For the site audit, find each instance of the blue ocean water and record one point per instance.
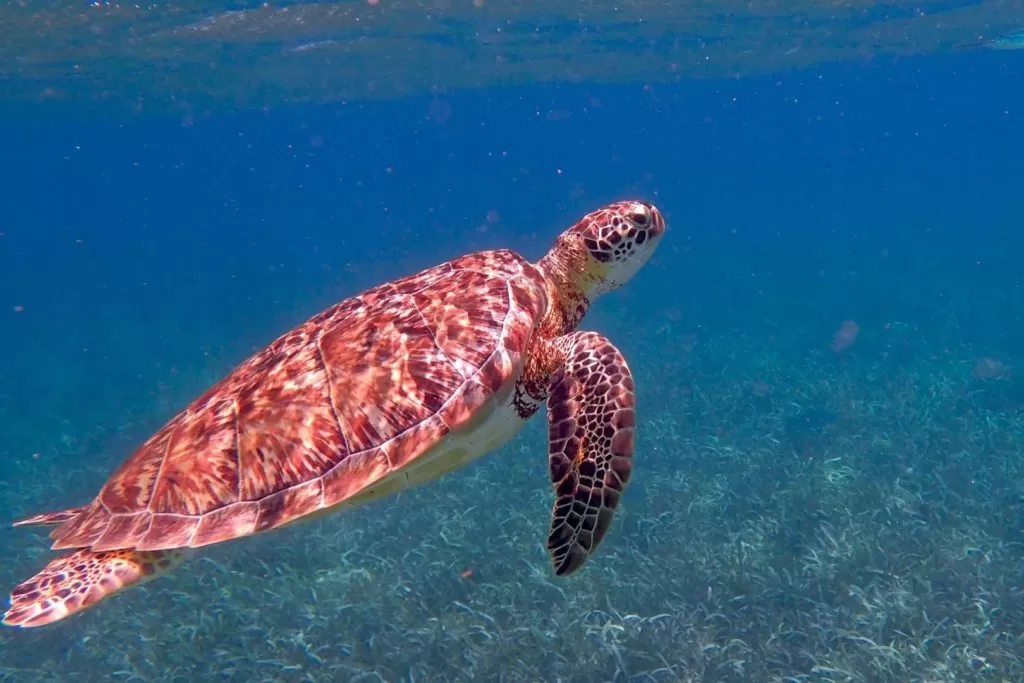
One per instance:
(797, 513)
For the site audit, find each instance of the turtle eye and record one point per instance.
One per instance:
(640, 216)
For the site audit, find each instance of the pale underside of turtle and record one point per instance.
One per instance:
(381, 392)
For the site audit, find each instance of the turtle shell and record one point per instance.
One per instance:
(355, 393)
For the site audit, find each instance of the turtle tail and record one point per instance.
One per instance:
(73, 582)
(50, 518)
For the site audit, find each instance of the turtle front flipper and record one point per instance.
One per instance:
(78, 580)
(591, 419)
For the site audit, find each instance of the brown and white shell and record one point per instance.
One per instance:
(340, 403)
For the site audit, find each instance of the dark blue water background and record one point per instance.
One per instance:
(142, 238)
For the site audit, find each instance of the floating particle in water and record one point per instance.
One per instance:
(19, 309)
(990, 368)
(439, 111)
(845, 336)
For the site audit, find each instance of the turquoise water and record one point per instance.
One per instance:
(804, 506)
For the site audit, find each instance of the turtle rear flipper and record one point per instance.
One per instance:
(591, 420)
(78, 580)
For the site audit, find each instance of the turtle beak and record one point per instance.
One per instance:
(657, 228)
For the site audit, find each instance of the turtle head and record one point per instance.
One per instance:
(607, 247)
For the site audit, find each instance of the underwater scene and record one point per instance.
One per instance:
(412, 341)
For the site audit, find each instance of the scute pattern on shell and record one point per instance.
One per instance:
(327, 409)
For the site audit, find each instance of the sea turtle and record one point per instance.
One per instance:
(383, 391)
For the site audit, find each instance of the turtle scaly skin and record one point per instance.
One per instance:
(380, 392)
